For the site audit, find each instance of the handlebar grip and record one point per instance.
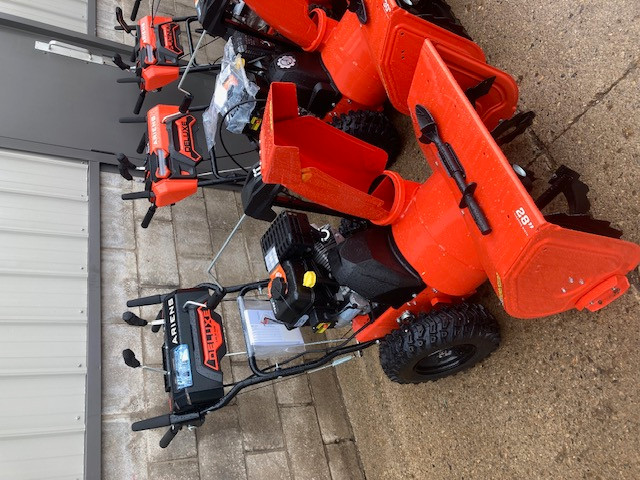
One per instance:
(168, 437)
(142, 145)
(149, 216)
(167, 420)
(186, 103)
(144, 301)
(128, 80)
(139, 103)
(117, 60)
(124, 172)
(136, 195)
(214, 300)
(134, 12)
(120, 19)
(134, 54)
(132, 120)
(155, 422)
(132, 319)
(478, 216)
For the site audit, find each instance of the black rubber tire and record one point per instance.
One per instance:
(467, 333)
(439, 13)
(371, 127)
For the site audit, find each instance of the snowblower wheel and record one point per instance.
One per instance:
(439, 344)
(371, 127)
(437, 12)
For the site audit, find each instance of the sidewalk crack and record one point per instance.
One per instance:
(597, 99)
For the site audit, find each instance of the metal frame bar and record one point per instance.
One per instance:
(93, 397)
(50, 31)
(92, 18)
(56, 150)
(176, 421)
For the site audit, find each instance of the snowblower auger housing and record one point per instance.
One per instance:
(371, 58)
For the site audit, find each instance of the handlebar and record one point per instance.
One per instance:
(143, 302)
(168, 437)
(132, 120)
(149, 216)
(155, 422)
(129, 80)
(117, 59)
(124, 165)
(136, 195)
(120, 19)
(141, 97)
(142, 145)
(134, 12)
(186, 103)
(166, 420)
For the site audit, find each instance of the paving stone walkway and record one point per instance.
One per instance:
(294, 429)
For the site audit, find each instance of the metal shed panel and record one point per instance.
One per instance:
(43, 325)
(69, 14)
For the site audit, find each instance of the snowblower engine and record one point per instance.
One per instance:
(322, 280)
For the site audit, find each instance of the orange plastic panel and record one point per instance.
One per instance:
(394, 37)
(289, 17)
(432, 235)
(348, 59)
(316, 160)
(147, 33)
(169, 191)
(501, 101)
(156, 128)
(388, 321)
(530, 263)
(563, 269)
(158, 76)
(604, 294)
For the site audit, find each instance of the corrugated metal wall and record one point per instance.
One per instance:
(69, 14)
(43, 316)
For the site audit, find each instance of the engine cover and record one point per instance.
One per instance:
(301, 290)
(370, 264)
(316, 92)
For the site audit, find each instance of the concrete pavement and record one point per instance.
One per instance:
(559, 399)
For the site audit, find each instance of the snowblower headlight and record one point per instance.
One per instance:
(182, 367)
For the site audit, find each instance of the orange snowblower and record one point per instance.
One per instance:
(157, 53)
(472, 220)
(403, 269)
(369, 55)
(404, 276)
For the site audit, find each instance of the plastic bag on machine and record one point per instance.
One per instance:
(232, 88)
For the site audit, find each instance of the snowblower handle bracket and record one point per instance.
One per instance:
(452, 165)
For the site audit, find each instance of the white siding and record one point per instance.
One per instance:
(43, 320)
(69, 14)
